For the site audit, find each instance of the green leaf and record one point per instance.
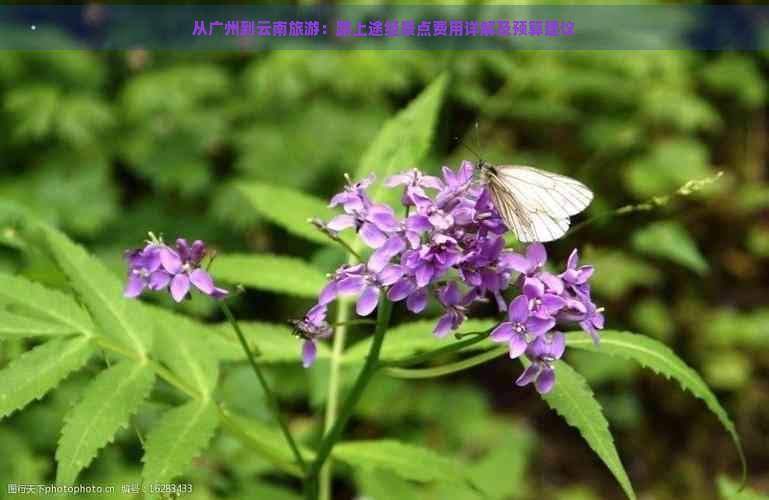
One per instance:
(15, 326)
(405, 460)
(404, 140)
(573, 399)
(669, 240)
(413, 337)
(377, 483)
(178, 437)
(659, 358)
(35, 372)
(267, 442)
(102, 293)
(273, 273)
(32, 298)
(731, 490)
(107, 405)
(288, 208)
(188, 354)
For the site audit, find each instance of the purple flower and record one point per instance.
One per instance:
(144, 270)
(366, 280)
(542, 353)
(312, 327)
(451, 299)
(415, 182)
(576, 275)
(542, 304)
(520, 327)
(582, 310)
(156, 266)
(453, 240)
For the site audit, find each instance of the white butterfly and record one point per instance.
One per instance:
(535, 205)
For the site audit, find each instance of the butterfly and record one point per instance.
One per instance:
(534, 204)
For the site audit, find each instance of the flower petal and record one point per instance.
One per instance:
(502, 333)
(134, 286)
(518, 345)
(552, 282)
(328, 293)
(518, 310)
(417, 301)
(515, 262)
(423, 274)
(529, 375)
(159, 280)
(545, 381)
(170, 260)
(350, 285)
(180, 285)
(341, 222)
(309, 351)
(538, 326)
(573, 261)
(372, 235)
(390, 274)
(367, 301)
(401, 289)
(202, 280)
(533, 288)
(536, 254)
(444, 325)
(392, 247)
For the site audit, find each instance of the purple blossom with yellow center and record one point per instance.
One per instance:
(450, 244)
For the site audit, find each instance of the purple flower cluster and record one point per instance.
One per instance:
(157, 266)
(451, 244)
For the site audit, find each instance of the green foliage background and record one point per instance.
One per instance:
(109, 145)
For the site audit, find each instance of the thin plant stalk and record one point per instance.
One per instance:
(272, 402)
(364, 377)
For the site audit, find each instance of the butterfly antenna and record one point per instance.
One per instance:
(478, 136)
(468, 148)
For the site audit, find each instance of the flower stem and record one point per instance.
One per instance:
(355, 322)
(364, 377)
(439, 371)
(332, 399)
(272, 402)
(427, 356)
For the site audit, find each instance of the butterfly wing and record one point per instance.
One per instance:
(535, 204)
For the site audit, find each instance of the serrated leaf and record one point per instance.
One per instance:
(15, 326)
(275, 343)
(273, 273)
(106, 407)
(35, 372)
(403, 140)
(187, 353)
(33, 298)
(669, 240)
(573, 399)
(288, 208)
(176, 438)
(405, 460)
(659, 358)
(102, 293)
(413, 337)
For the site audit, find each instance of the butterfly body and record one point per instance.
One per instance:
(535, 204)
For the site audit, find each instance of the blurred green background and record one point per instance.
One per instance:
(110, 145)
